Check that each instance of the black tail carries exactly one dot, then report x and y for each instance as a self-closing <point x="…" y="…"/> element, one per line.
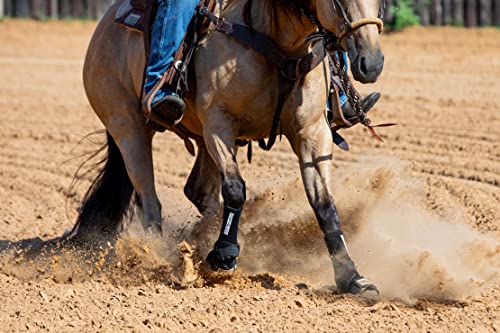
<point x="106" y="201"/>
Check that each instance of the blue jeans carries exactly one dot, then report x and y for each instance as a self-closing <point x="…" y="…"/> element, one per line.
<point x="342" y="96"/>
<point x="169" y="28"/>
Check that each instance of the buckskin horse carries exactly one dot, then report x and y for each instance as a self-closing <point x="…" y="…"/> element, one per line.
<point x="234" y="97"/>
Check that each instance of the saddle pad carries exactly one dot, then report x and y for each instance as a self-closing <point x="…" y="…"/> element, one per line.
<point x="131" y="14"/>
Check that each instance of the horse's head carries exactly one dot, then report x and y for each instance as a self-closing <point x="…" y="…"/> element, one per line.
<point x="357" y="23"/>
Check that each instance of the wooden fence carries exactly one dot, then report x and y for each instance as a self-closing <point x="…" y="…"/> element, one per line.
<point x="55" y="9"/>
<point x="431" y="12"/>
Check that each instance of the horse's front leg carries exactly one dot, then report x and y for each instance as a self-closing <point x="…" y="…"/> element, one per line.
<point x="219" y="139"/>
<point x="313" y="146"/>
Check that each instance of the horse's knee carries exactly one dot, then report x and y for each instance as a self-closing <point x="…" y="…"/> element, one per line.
<point x="233" y="191"/>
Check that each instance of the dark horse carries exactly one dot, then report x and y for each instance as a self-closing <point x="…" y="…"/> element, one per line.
<point x="235" y="99"/>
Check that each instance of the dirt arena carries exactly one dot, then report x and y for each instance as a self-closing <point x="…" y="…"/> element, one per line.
<point x="421" y="211"/>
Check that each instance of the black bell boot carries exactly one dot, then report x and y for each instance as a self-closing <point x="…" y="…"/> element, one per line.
<point x="226" y="250"/>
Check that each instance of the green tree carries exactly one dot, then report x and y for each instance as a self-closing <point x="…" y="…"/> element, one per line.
<point x="404" y="15"/>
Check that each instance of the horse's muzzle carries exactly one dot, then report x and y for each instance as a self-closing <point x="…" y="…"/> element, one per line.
<point x="367" y="59"/>
<point x="368" y="66"/>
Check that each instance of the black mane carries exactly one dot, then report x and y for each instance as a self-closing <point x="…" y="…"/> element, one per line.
<point x="289" y="7"/>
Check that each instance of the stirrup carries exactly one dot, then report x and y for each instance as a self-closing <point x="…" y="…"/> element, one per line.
<point x="165" y="113"/>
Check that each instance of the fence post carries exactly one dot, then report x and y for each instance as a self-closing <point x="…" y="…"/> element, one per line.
<point x="496" y="11"/>
<point x="447" y="12"/>
<point x="64" y="9"/>
<point x="436" y="12"/>
<point x="470" y="13"/>
<point x="91" y="9"/>
<point x="37" y="9"/>
<point x="8" y="8"/>
<point x="458" y="12"/>
<point x="388" y="13"/>
<point x="423" y="12"/>
<point x="77" y="9"/>
<point x="53" y="9"/>
<point x="22" y="8"/>
<point x="485" y="12"/>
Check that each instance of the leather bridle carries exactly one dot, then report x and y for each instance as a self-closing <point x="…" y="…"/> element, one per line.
<point x="351" y="27"/>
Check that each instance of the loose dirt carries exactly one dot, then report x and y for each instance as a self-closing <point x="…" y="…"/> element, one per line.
<point x="421" y="211"/>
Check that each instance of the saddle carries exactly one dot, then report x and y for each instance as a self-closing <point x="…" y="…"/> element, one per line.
<point x="132" y="15"/>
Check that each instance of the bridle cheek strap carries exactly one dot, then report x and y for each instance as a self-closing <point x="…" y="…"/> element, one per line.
<point x="353" y="26"/>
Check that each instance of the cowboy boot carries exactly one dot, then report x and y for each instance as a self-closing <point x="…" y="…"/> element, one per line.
<point x="366" y="102"/>
<point x="169" y="106"/>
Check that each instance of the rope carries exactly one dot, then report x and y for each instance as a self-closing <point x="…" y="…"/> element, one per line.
<point x="352" y="27"/>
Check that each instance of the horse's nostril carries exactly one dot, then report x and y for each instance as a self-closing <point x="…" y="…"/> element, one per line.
<point x="362" y="66"/>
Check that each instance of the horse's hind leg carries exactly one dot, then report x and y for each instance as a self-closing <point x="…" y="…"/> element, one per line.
<point x="129" y="167"/>
<point x="134" y="140"/>
<point x="313" y="146"/>
<point x="204" y="183"/>
<point x="220" y="142"/>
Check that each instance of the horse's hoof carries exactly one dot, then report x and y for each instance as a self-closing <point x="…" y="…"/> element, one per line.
<point x="224" y="257"/>
<point x="367" y="290"/>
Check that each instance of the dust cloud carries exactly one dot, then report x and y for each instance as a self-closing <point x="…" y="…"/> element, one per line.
<point x="396" y="240"/>
<point x="408" y="250"/>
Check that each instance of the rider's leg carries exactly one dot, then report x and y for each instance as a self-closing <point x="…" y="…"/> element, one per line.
<point x="169" y="28"/>
<point x="342" y="95"/>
